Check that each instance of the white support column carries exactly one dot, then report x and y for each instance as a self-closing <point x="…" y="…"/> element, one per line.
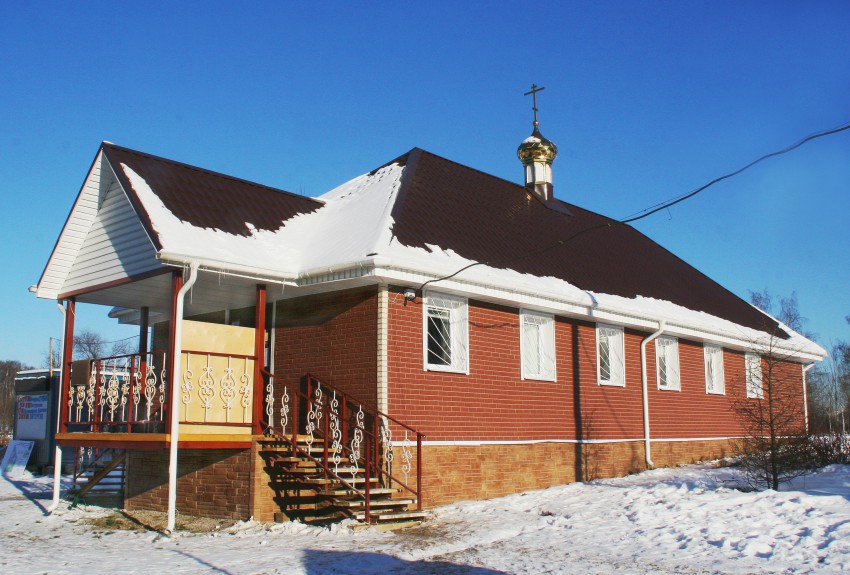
<point x="383" y="336"/>
<point x="175" y="396"/>
<point x="57" y="452"/>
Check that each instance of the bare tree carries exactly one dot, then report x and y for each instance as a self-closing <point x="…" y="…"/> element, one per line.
<point x="89" y="344"/>
<point x="8" y="371"/>
<point x="775" y="445"/>
<point x="786" y="310"/>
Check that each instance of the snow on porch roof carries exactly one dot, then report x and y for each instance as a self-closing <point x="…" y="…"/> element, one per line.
<point x="207" y="199"/>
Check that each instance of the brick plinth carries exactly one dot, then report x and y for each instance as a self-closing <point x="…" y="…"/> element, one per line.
<point x="210" y="483"/>
<point x="462" y="472"/>
<point x="669" y="453"/>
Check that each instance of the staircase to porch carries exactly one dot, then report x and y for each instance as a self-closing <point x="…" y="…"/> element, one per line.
<point x="337" y="463"/>
<point x="99" y="477"/>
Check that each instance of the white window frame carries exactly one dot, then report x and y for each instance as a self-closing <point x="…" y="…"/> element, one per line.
<point x="667" y="356"/>
<point x="715" y="381"/>
<point x="456" y="310"/>
<point x="753" y="376"/>
<point x="615" y="338"/>
<point x="541" y="349"/>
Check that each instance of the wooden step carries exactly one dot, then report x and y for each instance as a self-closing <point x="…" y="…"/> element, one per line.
<point x="286" y="439"/>
<point x="373" y="503"/>
<point x="393" y="516"/>
<point x="332" y="480"/>
<point x="350" y="493"/>
<point x="287" y="447"/>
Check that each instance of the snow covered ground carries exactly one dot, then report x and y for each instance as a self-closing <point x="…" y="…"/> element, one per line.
<point x="684" y="520"/>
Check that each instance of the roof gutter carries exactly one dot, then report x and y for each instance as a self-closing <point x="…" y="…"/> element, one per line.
<point x="383" y="268"/>
<point x="647" y="448"/>
<point x="588" y="308"/>
<point x="227" y="268"/>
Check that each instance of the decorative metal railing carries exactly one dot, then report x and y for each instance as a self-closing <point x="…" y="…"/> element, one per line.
<point x="351" y="440"/>
<point x="216" y="388"/>
<point x="122" y="393"/>
<point x="131" y="393"/>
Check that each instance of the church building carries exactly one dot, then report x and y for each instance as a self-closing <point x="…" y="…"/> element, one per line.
<point x="422" y="334"/>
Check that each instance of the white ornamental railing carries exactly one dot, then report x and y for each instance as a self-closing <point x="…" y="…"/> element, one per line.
<point x="120" y="393"/>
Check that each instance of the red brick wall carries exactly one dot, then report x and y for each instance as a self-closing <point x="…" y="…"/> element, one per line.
<point x="210" y="483"/>
<point x="492" y="402"/>
<point x="332" y="336"/>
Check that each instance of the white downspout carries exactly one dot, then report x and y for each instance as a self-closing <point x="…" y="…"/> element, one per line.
<point x="175" y="396"/>
<point x="662" y="325"/>
<point x="57" y="452"/>
<point x="806" y="396"/>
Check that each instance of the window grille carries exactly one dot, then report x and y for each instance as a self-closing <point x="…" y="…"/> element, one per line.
<point x="537" y="345"/>
<point x="714" y="380"/>
<point x="752" y="366"/>
<point x="610" y="356"/>
<point x="667" y="362"/>
<point x="445" y="333"/>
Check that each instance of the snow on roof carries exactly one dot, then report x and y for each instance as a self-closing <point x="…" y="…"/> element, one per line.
<point x="429" y="217"/>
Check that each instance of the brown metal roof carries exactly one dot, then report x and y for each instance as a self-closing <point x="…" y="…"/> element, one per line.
<point x="207" y="199"/>
<point x="487" y="219"/>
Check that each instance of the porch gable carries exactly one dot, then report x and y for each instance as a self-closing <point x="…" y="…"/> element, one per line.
<point x="103" y="240"/>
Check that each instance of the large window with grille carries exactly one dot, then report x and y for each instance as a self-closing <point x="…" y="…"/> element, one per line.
<point x="445" y="333"/>
<point x="610" y="358"/>
<point x="537" y="345"/>
<point x="752" y="367"/>
<point x="667" y="363"/>
<point x="714" y="379"/>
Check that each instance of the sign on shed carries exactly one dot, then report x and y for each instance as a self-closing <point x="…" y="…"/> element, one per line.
<point x="32" y="416"/>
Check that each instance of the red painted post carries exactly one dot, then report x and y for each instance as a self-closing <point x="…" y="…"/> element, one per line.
<point x="67" y="349"/>
<point x="418" y="471"/>
<point x="176" y="284"/>
<point x="259" y="359"/>
<point x="376" y="428"/>
<point x="344" y="427"/>
<point x="144" y="324"/>
<point x="325" y="441"/>
<point x="368" y="482"/>
<point x="295" y="407"/>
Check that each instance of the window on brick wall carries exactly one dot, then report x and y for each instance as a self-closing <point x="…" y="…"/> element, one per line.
<point x="610" y="358"/>
<point x="752" y="369"/>
<point x="714" y="379"/>
<point x="445" y="333"/>
<point x="537" y="345"/>
<point x="667" y="363"/>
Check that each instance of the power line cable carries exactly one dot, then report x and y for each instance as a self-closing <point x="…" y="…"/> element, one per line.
<point x="648" y="211"/>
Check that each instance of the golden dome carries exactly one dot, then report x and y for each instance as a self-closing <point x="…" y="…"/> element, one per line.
<point x="536" y="147"/>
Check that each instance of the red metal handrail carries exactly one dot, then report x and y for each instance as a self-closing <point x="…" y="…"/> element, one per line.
<point x="371" y="438"/>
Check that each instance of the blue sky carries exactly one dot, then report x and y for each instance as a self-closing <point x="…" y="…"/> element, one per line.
<point x="646" y="101"/>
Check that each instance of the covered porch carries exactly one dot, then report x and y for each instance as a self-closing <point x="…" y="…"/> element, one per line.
<point x="208" y="372"/>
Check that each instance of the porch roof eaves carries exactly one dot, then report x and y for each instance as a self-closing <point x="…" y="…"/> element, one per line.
<point x="228" y="268"/>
